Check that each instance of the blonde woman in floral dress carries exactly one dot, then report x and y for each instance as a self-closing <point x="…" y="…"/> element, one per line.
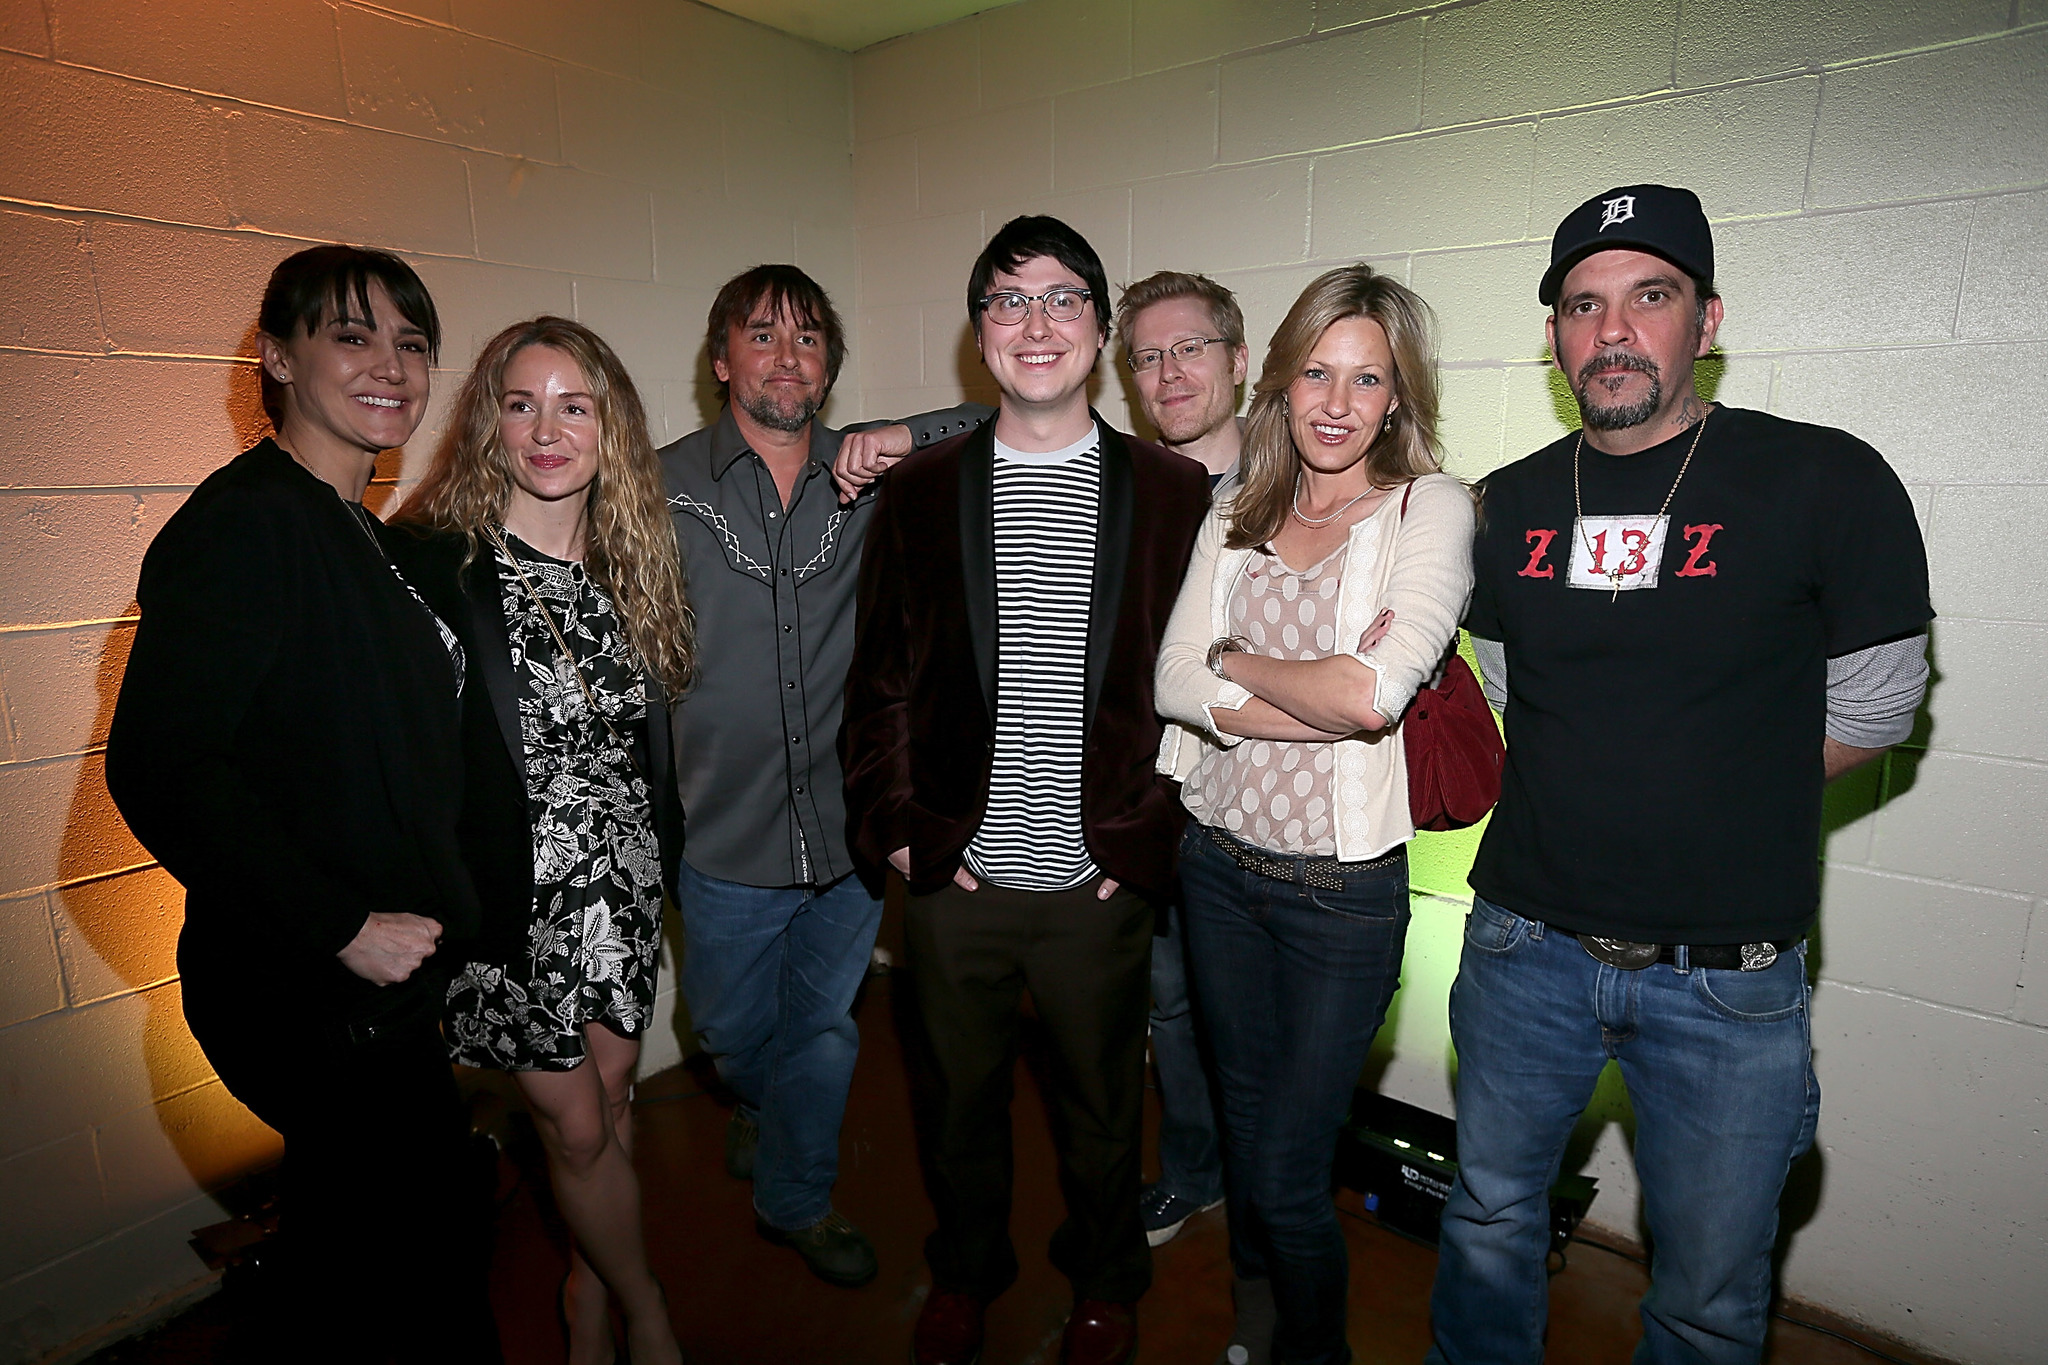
<point x="542" y="534"/>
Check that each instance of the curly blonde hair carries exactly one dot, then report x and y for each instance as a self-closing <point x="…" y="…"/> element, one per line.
<point x="1406" y="450"/>
<point x="631" y="549"/>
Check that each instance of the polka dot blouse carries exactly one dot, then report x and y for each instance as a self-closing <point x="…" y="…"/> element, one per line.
<point x="1276" y="793"/>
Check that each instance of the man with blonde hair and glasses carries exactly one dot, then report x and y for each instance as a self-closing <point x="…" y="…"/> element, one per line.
<point x="1183" y="338"/>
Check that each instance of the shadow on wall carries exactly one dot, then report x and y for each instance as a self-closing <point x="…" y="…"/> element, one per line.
<point x="129" y="916"/>
<point x="679" y="1024"/>
<point x="245" y="395"/>
<point x="215" y="1139"/>
<point x="705" y="389"/>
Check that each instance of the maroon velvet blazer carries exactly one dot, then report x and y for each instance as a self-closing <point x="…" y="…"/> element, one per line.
<point x="919" y="730"/>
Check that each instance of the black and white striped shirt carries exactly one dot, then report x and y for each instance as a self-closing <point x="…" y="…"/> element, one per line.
<point x="1030" y="838"/>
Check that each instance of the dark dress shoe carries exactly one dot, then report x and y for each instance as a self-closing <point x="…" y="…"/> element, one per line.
<point x="1100" y="1333"/>
<point x="948" y="1330"/>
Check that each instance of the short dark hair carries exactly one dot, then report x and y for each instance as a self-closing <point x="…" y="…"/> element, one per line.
<point x="1029" y="236"/>
<point x="1702" y="290"/>
<point x="785" y="289"/>
<point x="307" y="285"/>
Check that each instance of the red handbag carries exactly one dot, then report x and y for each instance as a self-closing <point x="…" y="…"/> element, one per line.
<point x="1454" y="749"/>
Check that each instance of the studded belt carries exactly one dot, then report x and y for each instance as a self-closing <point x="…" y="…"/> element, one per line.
<point x="1324" y="874"/>
<point x="1731" y="957"/>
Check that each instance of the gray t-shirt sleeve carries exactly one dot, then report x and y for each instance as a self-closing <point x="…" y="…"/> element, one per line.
<point x="1493" y="671"/>
<point x="1873" y="693"/>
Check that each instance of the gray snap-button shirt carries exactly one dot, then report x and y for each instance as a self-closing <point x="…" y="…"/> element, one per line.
<point x="756" y="737"/>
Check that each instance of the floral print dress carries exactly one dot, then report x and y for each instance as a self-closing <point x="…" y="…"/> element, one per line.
<point x="595" y="928"/>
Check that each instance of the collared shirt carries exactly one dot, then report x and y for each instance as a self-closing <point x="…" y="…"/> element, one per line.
<point x="773" y="587"/>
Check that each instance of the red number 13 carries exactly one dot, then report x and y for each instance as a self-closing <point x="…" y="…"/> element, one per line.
<point x="1637" y="542"/>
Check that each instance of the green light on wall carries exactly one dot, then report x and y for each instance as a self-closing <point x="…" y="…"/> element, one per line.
<point x="1411" y="1056"/>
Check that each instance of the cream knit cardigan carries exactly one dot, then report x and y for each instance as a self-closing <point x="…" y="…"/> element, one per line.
<point x="1420" y="565"/>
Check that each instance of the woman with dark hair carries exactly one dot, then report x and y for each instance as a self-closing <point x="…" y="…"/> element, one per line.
<point x="287" y="743"/>
<point x="542" y="534"/>
<point x="1323" y="593"/>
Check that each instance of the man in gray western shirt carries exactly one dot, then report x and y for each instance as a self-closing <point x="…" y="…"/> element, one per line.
<point x="777" y="931"/>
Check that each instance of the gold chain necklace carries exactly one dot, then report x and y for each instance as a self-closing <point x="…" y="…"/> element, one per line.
<point x="1579" y="508"/>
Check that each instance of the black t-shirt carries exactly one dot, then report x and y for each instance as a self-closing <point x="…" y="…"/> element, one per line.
<point x="1663" y="779"/>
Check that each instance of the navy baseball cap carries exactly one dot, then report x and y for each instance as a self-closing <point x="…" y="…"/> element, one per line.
<point x="1658" y="219"/>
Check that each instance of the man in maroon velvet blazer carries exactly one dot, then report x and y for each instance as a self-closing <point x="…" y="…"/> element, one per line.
<point x="999" y="741"/>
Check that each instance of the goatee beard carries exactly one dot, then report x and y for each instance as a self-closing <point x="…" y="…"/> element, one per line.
<point x="1618" y="417"/>
<point x="792" y="415"/>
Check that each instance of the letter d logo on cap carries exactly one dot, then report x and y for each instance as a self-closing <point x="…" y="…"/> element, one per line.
<point x="1659" y="219"/>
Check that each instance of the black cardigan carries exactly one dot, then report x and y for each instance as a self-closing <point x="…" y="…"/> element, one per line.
<point x="287" y="743"/>
<point x="496" y="829"/>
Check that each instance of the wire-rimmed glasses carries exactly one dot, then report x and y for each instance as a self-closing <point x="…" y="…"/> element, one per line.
<point x="1185" y="352"/>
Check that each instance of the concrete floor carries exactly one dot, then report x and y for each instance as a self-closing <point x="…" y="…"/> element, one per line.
<point x="740" y="1301"/>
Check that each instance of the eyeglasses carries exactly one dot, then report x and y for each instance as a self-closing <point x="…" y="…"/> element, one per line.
<point x="1009" y="309"/>
<point x="1186" y="352"/>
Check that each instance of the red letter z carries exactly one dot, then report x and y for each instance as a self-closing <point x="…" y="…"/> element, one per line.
<point x="1536" y="568"/>
<point x="1693" y="568"/>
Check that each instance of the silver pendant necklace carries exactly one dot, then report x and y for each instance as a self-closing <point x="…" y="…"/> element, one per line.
<point x="1307" y="520"/>
<point x="362" y="517"/>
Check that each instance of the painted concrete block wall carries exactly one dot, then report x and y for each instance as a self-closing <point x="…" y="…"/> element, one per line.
<point x="612" y="162"/>
<point x="1878" y="176"/>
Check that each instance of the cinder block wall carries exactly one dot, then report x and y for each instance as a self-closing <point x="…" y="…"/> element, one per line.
<point x="1877" y="175"/>
<point x="612" y="161"/>
<point x="1875" y="172"/>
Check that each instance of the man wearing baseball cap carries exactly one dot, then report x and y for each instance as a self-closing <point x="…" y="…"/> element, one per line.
<point x="1694" y="616"/>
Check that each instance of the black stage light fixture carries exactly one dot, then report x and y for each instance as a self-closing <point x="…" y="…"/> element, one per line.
<point x="1403" y="1159"/>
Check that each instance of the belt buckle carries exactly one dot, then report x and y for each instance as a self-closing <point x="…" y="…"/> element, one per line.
<point x="1757" y="957"/>
<point x="1620" y="952"/>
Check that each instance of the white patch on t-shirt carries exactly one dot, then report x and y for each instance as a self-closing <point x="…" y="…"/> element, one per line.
<point x="1617" y="553"/>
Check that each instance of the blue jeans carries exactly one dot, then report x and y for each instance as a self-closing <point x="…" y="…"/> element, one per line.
<point x="1190" y="1157"/>
<point x="1721" y="1080"/>
<point x="770" y="974"/>
<point x="1292" y="983"/>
